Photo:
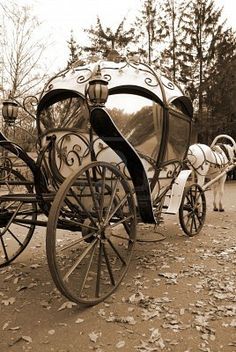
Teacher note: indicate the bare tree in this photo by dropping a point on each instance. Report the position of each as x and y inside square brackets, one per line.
[22, 50]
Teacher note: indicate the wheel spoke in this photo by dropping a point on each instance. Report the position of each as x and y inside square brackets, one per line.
[83, 207]
[109, 217]
[81, 257]
[19, 222]
[99, 267]
[87, 271]
[95, 201]
[17, 240]
[121, 221]
[102, 193]
[108, 266]
[194, 221]
[116, 251]
[127, 239]
[76, 223]
[4, 249]
[76, 242]
[111, 199]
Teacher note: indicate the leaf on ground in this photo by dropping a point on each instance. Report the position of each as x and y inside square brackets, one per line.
[120, 344]
[27, 338]
[8, 301]
[136, 297]
[125, 320]
[155, 335]
[79, 321]
[21, 287]
[5, 325]
[94, 336]
[51, 332]
[67, 305]
[34, 266]
[233, 323]
[16, 280]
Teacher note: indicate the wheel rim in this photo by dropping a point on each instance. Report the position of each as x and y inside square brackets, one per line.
[88, 263]
[17, 218]
[192, 210]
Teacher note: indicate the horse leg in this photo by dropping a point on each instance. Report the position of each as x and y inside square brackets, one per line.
[221, 191]
[215, 208]
[200, 180]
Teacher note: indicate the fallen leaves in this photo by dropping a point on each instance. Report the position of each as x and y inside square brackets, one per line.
[123, 320]
[67, 305]
[27, 339]
[93, 336]
[120, 344]
[180, 287]
[9, 301]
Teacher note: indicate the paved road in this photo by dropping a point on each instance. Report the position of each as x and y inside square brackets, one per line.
[179, 295]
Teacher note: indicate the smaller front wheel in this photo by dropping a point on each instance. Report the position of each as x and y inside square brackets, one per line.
[192, 211]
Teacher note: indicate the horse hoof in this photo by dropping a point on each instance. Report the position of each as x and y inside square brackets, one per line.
[221, 210]
[215, 209]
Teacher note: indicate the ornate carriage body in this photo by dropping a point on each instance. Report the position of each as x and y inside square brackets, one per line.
[113, 136]
[152, 116]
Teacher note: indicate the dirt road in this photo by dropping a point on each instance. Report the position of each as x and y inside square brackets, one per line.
[179, 295]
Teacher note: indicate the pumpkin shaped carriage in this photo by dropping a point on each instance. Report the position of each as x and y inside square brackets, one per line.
[113, 137]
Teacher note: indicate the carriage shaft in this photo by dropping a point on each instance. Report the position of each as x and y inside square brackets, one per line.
[211, 182]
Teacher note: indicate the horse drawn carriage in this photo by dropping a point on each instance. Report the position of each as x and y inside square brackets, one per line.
[112, 142]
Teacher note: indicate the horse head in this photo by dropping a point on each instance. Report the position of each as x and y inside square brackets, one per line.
[227, 149]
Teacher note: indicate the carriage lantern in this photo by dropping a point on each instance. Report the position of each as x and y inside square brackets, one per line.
[10, 111]
[98, 89]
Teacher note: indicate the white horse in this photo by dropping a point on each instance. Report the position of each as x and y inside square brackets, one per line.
[210, 162]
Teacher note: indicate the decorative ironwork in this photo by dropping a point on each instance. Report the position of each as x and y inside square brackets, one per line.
[82, 79]
[30, 103]
[168, 85]
[72, 154]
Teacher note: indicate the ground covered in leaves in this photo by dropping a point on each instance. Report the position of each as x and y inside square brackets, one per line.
[179, 295]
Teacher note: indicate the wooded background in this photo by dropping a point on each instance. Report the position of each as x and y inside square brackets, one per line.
[188, 41]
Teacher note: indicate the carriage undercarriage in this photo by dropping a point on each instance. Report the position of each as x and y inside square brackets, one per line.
[90, 189]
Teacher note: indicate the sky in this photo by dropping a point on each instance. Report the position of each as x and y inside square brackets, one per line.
[60, 17]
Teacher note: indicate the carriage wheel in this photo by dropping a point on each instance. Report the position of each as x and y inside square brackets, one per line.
[192, 211]
[88, 250]
[17, 217]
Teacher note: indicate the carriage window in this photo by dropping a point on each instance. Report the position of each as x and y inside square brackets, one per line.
[179, 131]
[140, 121]
[65, 113]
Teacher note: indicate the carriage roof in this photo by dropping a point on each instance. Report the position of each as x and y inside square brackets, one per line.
[129, 76]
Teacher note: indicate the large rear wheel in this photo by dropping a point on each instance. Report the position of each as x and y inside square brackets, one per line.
[88, 250]
[17, 215]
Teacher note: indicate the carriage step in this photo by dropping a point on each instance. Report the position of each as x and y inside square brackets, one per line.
[28, 197]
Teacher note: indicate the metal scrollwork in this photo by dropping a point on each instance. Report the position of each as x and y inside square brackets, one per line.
[150, 82]
[168, 84]
[107, 77]
[82, 78]
[30, 104]
[6, 167]
[171, 168]
[70, 155]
